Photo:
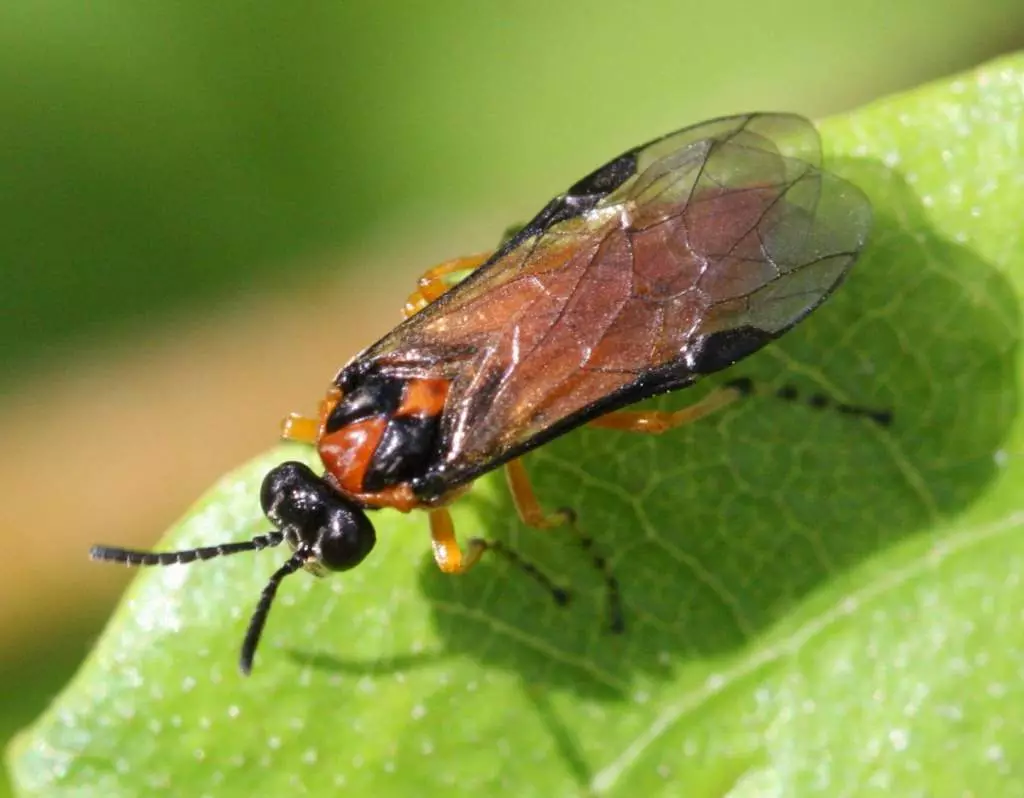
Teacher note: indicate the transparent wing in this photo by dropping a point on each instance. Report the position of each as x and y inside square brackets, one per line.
[672, 261]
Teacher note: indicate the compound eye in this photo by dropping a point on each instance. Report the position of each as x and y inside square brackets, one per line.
[347, 537]
[291, 495]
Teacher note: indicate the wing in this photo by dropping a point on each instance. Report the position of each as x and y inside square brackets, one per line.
[672, 261]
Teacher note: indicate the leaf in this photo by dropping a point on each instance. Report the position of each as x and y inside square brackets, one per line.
[816, 605]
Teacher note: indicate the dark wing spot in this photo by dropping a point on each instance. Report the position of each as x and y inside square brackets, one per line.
[606, 179]
[721, 349]
[581, 197]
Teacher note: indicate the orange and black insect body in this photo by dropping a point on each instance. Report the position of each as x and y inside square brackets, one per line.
[673, 261]
[379, 432]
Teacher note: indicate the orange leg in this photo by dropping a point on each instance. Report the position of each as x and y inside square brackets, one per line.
[451, 559]
[304, 429]
[447, 554]
[525, 500]
[433, 284]
[532, 514]
[654, 422]
[299, 428]
[658, 421]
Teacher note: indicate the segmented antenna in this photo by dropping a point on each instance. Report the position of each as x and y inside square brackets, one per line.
[135, 557]
[259, 616]
[185, 556]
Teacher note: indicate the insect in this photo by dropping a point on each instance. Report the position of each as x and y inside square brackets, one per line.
[670, 262]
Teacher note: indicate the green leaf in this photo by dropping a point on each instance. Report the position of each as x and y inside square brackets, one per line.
[816, 604]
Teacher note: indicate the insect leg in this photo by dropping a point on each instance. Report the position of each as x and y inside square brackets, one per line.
[657, 421]
[299, 428]
[432, 284]
[820, 401]
[304, 429]
[447, 553]
[527, 505]
[453, 560]
[532, 514]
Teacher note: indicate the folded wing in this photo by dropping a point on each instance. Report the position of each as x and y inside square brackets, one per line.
[673, 261]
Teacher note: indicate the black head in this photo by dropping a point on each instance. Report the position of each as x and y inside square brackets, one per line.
[326, 532]
[331, 532]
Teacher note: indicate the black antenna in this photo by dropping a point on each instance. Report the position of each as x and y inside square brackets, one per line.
[135, 557]
[259, 616]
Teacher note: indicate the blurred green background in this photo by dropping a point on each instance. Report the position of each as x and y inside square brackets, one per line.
[157, 163]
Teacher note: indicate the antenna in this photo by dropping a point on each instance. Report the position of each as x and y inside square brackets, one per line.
[136, 557]
[259, 616]
[185, 556]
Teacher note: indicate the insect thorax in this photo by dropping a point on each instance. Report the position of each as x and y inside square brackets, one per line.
[380, 431]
